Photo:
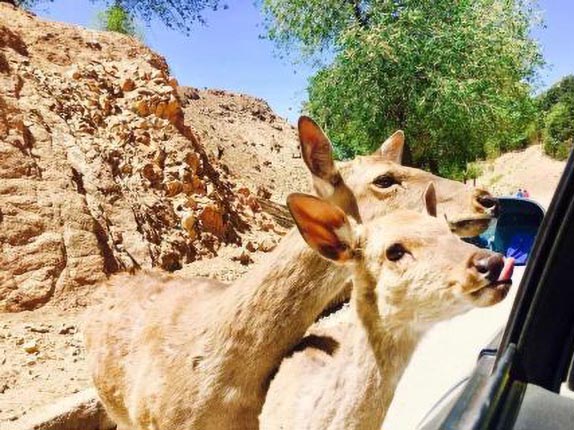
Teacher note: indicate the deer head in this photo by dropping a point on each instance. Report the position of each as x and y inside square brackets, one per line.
[414, 267]
[381, 184]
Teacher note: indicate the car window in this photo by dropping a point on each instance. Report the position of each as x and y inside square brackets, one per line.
[513, 233]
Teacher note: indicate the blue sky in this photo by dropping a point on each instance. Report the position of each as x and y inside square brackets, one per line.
[228, 52]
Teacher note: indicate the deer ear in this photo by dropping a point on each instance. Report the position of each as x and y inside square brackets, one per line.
[392, 148]
[324, 226]
[317, 151]
[429, 198]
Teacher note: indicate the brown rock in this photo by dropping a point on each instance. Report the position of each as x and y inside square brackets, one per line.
[267, 225]
[191, 203]
[152, 173]
[263, 192]
[242, 255]
[250, 246]
[244, 191]
[192, 160]
[267, 245]
[91, 135]
[212, 220]
[253, 204]
[173, 188]
[173, 83]
[142, 108]
[128, 85]
[188, 224]
[30, 347]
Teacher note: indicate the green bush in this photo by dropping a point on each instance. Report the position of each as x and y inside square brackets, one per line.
[117, 18]
[559, 130]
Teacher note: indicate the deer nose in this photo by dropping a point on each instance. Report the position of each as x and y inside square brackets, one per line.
[488, 264]
[487, 202]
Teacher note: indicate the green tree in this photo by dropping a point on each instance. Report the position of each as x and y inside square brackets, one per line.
[558, 132]
[557, 118]
[562, 91]
[117, 19]
[454, 75]
[177, 14]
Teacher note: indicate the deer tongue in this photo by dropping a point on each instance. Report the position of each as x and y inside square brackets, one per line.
[506, 273]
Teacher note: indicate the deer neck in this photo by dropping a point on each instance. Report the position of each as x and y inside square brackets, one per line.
[381, 351]
[274, 305]
[356, 389]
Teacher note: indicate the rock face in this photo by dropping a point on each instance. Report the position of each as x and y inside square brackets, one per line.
[254, 144]
[99, 168]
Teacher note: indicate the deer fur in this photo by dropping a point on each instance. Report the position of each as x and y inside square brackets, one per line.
[170, 353]
[393, 304]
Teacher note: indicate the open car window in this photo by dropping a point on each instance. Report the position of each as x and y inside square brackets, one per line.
[515, 230]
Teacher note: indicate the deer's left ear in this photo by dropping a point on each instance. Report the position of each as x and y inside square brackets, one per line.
[392, 148]
[429, 198]
[324, 226]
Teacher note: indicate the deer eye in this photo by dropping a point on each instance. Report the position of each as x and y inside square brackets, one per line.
[395, 252]
[385, 181]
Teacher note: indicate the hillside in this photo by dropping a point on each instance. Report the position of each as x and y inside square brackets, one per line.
[101, 169]
[530, 169]
[244, 134]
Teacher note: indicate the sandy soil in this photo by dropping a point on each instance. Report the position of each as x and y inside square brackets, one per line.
[41, 358]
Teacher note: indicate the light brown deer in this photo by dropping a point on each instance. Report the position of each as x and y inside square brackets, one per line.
[131, 336]
[409, 272]
[374, 179]
[198, 354]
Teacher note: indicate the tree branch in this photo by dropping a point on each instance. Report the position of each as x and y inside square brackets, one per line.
[358, 13]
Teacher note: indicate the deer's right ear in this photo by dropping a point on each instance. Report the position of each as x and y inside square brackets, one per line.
[392, 148]
[317, 151]
[324, 226]
[429, 198]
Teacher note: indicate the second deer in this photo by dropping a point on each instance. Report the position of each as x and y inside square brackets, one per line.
[409, 272]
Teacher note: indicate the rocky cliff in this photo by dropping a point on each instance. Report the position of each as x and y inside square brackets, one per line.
[101, 169]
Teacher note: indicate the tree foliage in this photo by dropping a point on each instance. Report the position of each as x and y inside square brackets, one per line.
[557, 105]
[454, 75]
[117, 19]
[177, 14]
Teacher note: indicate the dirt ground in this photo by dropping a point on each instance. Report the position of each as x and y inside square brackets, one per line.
[530, 169]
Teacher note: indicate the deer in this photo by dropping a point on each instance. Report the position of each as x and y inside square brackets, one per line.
[373, 179]
[221, 325]
[409, 271]
[375, 184]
